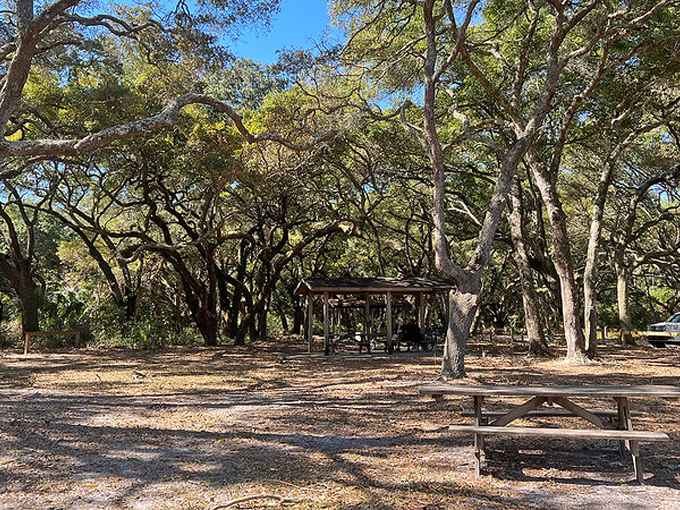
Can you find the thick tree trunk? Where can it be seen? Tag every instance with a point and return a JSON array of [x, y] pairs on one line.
[[201, 300], [18, 274], [576, 352], [462, 308], [623, 302], [537, 342], [298, 316], [27, 292], [207, 325]]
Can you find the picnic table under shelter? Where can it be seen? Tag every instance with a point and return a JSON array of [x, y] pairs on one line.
[[334, 291]]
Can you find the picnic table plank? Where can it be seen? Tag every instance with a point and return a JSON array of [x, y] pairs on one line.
[[547, 412], [595, 434], [595, 390]]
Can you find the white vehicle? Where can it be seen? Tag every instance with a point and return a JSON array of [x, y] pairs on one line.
[[663, 333]]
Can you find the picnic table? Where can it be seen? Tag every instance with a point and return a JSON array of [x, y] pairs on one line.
[[614, 424]]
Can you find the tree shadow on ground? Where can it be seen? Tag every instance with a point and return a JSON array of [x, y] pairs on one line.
[[354, 422]]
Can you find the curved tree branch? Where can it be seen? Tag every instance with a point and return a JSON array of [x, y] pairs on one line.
[[166, 118]]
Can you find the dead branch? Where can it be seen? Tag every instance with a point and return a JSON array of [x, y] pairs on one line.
[[233, 502]]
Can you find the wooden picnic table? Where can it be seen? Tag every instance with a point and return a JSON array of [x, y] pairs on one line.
[[613, 424]]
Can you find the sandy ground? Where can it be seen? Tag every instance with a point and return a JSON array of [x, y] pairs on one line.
[[197, 429]]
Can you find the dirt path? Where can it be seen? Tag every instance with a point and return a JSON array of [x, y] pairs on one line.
[[196, 429]]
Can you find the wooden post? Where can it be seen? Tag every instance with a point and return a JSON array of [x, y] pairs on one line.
[[626, 423], [326, 330], [421, 311], [310, 320], [27, 342], [390, 345], [367, 325], [478, 438]]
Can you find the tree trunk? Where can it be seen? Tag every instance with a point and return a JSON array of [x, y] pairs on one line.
[[284, 320], [589, 273], [234, 329], [262, 323], [576, 352], [201, 300], [20, 277], [210, 300], [130, 302], [225, 300], [537, 342], [207, 326], [462, 307], [623, 301], [298, 316], [27, 293]]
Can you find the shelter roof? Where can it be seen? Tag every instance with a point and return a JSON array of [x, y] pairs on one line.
[[377, 285]]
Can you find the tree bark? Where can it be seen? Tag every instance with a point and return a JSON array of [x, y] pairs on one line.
[[589, 273], [537, 342], [298, 315], [463, 304], [623, 302], [27, 292], [575, 340]]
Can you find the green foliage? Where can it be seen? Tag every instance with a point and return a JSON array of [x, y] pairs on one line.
[[156, 221]]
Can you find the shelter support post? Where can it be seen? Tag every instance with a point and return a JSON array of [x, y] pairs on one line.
[[326, 328], [310, 321], [367, 321], [390, 345], [421, 310]]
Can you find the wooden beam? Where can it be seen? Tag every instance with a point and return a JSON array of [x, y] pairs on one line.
[[518, 412], [594, 434], [579, 411]]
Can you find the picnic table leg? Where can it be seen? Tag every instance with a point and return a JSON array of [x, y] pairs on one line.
[[626, 423], [479, 439], [621, 423]]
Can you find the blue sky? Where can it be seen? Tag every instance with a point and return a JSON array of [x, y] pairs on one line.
[[298, 24]]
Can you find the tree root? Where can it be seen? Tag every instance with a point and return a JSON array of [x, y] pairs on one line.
[[233, 502]]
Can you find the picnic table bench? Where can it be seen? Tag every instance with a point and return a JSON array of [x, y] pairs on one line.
[[611, 424]]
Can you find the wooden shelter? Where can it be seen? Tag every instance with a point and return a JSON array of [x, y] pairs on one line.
[[365, 288]]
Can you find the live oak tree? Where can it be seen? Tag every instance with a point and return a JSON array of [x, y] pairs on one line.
[[67, 34], [18, 256], [83, 198], [73, 82], [455, 45], [644, 233], [516, 218], [615, 59]]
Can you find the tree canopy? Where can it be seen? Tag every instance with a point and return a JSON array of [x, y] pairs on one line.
[[157, 188]]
